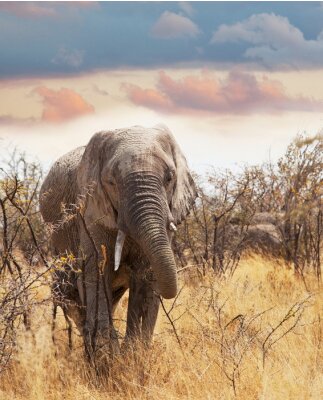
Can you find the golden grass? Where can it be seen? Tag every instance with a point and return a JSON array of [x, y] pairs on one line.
[[222, 326]]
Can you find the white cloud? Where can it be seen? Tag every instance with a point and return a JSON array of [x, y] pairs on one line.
[[216, 140], [171, 25], [186, 6], [276, 42], [72, 58]]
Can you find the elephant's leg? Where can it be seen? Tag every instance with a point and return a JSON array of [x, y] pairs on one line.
[[142, 309], [134, 308], [94, 286], [99, 333], [150, 314]]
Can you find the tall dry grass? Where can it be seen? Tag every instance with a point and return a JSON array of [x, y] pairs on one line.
[[257, 335]]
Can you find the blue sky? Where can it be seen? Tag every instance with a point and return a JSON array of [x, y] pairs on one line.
[[234, 81], [58, 38]]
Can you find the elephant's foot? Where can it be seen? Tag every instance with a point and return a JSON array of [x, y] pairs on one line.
[[101, 346]]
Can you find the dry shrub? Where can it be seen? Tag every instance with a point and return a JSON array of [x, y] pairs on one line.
[[254, 335], [273, 208], [23, 266]]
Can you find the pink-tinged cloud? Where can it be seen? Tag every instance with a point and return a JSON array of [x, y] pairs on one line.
[[239, 93], [44, 9], [171, 25], [150, 98], [28, 9], [62, 105], [9, 120]]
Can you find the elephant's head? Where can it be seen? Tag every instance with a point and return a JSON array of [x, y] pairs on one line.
[[143, 188]]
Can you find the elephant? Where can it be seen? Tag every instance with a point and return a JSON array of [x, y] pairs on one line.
[[133, 188], [263, 234]]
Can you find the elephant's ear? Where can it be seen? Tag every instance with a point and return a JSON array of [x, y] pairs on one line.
[[98, 204], [184, 193]]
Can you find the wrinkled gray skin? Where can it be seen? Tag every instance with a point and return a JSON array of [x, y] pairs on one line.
[[140, 183]]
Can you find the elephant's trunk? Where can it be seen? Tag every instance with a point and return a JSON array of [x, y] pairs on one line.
[[146, 219]]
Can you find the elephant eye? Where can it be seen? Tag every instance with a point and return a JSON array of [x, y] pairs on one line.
[[169, 176]]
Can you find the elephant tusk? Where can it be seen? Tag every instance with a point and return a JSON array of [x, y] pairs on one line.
[[172, 227], [118, 249]]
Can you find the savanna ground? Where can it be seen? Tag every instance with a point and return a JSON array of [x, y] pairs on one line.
[[255, 335], [243, 325]]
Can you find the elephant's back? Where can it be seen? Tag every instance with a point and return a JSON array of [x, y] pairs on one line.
[[60, 185]]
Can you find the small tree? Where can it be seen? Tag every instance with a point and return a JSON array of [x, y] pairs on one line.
[[22, 261], [300, 174]]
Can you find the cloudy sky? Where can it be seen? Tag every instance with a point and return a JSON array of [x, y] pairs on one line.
[[234, 81]]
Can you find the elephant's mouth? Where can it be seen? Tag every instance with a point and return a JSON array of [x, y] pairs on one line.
[[121, 237], [115, 212]]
